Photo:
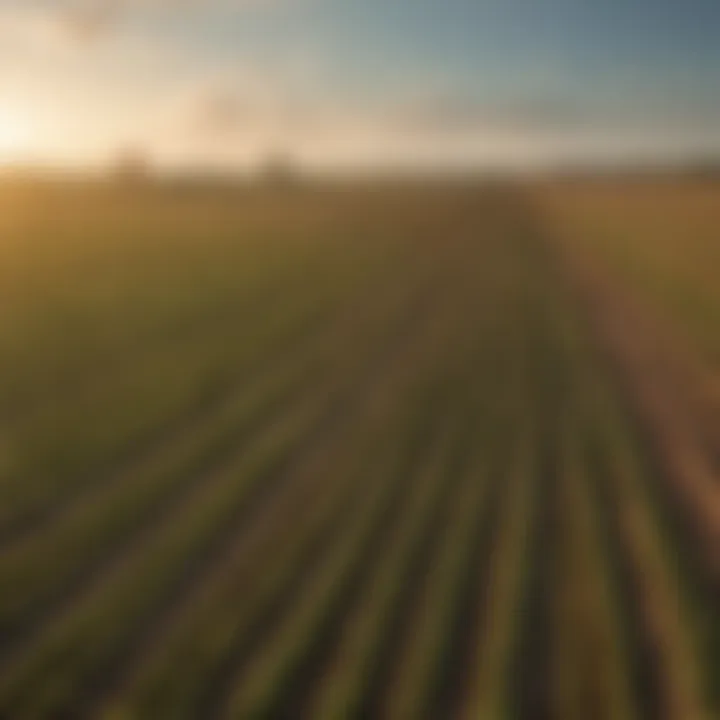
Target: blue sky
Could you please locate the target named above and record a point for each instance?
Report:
(348, 82)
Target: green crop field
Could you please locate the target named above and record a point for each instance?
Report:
(414, 450)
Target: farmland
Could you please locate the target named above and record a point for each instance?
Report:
(404, 450)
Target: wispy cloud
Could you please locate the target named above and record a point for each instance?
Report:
(92, 20)
(87, 20)
(462, 114)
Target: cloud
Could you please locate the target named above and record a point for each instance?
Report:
(460, 114)
(90, 20)
(28, 28)
(221, 113)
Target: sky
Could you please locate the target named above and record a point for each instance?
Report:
(358, 83)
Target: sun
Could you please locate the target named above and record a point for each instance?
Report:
(15, 136)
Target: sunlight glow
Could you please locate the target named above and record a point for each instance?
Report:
(15, 136)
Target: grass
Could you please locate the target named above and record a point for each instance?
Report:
(358, 451)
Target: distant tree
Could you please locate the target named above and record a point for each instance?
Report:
(706, 167)
(132, 166)
(279, 169)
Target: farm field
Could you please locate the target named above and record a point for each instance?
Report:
(360, 451)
